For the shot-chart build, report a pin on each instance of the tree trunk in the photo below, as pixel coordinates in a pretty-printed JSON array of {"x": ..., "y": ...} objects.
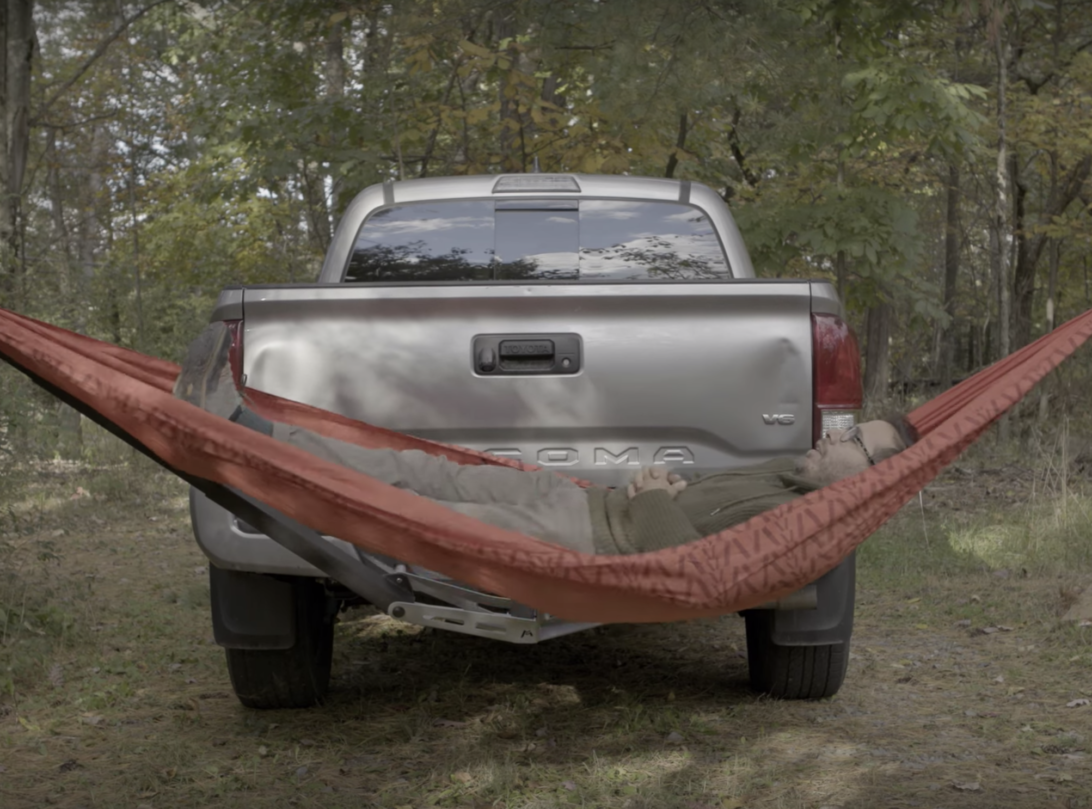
[
  {"x": 1052, "y": 286},
  {"x": 877, "y": 341},
  {"x": 951, "y": 276},
  {"x": 134, "y": 218},
  {"x": 974, "y": 347},
  {"x": 69, "y": 420},
  {"x": 89, "y": 244},
  {"x": 60, "y": 228},
  {"x": 335, "y": 91},
  {"x": 17, "y": 41},
  {"x": 7, "y": 263},
  {"x": 1087, "y": 283},
  {"x": 1055, "y": 257},
  {"x": 1002, "y": 231},
  {"x": 841, "y": 267},
  {"x": 1023, "y": 269},
  {"x": 134, "y": 223}
]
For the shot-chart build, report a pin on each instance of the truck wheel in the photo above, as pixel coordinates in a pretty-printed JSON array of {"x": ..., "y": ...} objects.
[
  {"x": 803, "y": 654},
  {"x": 792, "y": 672},
  {"x": 294, "y": 677}
]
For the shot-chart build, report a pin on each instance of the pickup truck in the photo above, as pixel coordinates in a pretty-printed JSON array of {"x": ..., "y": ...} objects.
[{"x": 587, "y": 324}]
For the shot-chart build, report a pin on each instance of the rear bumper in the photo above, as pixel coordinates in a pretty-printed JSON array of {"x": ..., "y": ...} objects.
[{"x": 809, "y": 616}]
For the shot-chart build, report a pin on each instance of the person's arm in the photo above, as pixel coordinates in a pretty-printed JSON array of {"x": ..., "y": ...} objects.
[{"x": 655, "y": 521}]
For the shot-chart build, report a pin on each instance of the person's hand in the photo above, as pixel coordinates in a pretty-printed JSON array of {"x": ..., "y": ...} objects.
[{"x": 656, "y": 477}]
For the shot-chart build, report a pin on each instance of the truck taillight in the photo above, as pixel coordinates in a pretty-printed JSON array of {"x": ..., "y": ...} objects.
[
  {"x": 235, "y": 352},
  {"x": 836, "y": 369}
]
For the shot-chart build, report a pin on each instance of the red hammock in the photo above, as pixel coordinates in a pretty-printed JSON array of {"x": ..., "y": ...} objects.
[{"x": 765, "y": 558}]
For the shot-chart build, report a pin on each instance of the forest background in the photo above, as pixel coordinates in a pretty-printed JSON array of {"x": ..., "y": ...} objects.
[{"x": 931, "y": 157}]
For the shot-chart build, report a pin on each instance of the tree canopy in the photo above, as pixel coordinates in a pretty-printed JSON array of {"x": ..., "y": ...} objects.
[{"x": 931, "y": 157}]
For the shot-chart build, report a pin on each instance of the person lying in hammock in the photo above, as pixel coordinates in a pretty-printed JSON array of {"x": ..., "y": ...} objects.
[{"x": 658, "y": 509}]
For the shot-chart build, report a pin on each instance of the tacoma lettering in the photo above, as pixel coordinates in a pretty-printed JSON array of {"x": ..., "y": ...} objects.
[{"x": 601, "y": 456}]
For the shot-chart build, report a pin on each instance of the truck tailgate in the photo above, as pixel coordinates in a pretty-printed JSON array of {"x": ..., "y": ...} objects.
[{"x": 697, "y": 376}]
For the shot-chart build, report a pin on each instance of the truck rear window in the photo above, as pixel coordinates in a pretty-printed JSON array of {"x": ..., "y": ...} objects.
[{"x": 537, "y": 240}]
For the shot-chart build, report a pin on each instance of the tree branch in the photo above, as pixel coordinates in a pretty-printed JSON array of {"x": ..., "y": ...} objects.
[
  {"x": 737, "y": 151},
  {"x": 673, "y": 161},
  {"x": 65, "y": 127},
  {"x": 1035, "y": 85},
  {"x": 594, "y": 48},
  {"x": 99, "y": 51},
  {"x": 431, "y": 145},
  {"x": 1059, "y": 200}
]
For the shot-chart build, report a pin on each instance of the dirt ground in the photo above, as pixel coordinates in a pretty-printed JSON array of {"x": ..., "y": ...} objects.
[{"x": 964, "y": 687}]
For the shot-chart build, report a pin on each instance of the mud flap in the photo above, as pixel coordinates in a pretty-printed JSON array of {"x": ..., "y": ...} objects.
[
  {"x": 832, "y": 619},
  {"x": 251, "y": 610}
]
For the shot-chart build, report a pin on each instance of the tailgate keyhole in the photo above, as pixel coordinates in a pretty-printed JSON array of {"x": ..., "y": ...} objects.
[{"x": 487, "y": 360}]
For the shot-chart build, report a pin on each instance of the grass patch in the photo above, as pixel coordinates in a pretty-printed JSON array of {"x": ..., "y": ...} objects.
[
  {"x": 1048, "y": 535},
  {"x": 48, "y": 571}
]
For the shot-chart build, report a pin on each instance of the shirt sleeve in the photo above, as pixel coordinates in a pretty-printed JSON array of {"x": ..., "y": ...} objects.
[{"x": 654, "y": 521}]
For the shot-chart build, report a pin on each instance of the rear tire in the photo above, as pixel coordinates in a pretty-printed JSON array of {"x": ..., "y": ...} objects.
[
  {"x": 297, "y": 677},
  {"x": 792, "y": 672},
  {"x": 804, "y": 654}
]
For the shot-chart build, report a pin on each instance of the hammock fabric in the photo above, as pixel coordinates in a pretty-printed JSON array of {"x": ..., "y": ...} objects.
[{"x": 767, "y": 557}]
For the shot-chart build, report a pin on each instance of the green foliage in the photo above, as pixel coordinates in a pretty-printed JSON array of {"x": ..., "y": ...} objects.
[
  {"x": 876, "y": 228},
  {"x": 896, "y": 100},
  {"x": 217, "y": 143}
]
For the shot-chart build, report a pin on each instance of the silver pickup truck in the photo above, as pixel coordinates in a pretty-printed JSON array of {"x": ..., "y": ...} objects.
[{"x": 588, "y": 324}]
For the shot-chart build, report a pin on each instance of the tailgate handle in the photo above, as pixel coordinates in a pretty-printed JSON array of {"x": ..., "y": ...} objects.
[
  {"x": 526, "y": 350},
  {"x": 521, "y": 354}
]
